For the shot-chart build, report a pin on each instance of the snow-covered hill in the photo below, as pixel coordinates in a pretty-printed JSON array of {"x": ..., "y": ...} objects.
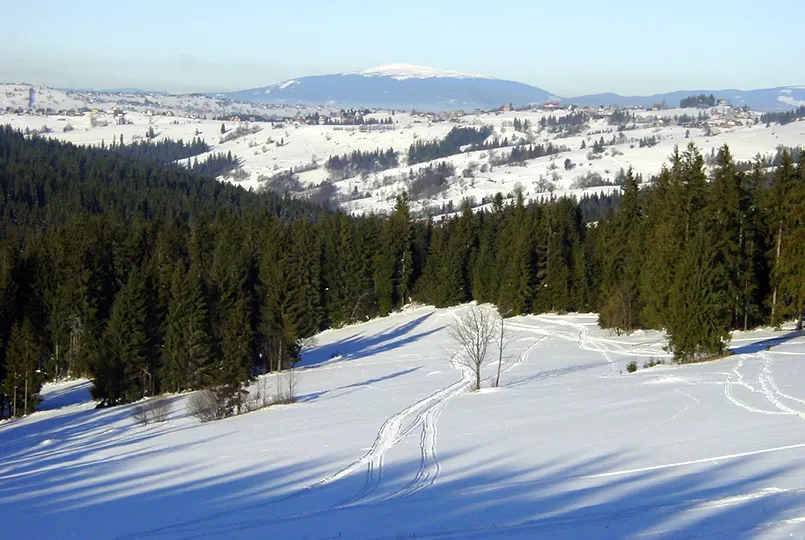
[
  {"x": 387, "y": 442},
  {"x": 269, "y": 148},
  {"x": 398, "y": 86}
]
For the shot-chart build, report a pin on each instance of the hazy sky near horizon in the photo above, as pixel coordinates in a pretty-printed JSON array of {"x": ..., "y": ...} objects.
[{"x": 572, "y": 48}]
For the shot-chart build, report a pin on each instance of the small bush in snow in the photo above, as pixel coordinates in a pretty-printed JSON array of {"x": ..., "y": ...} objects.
[
  {"x": 207, "y": 405},
  {"x": 154, "y": 410},
  {"x": 159, "y": 408},
  {"x": 631, "y": 367}
]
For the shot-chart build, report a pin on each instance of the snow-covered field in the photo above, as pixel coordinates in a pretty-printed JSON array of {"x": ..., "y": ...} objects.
[
  {"x": 276, "y": 148},
  {"x": 387, "y": 442}
]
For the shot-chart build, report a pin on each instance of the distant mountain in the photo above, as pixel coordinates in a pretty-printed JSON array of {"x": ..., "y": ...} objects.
[
  {"x": 398, "y": 86},
  {"x": 768, "y": 99},
  {"x": 404, "y": 86}
]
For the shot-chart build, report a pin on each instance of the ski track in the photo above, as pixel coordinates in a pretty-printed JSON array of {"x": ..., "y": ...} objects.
[{"x": 768, "y": 387}]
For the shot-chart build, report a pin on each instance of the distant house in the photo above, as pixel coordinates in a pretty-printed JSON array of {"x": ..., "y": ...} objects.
[{"x": 552, "y": 105}]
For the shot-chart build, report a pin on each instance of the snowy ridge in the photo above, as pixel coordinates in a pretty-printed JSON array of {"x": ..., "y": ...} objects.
[{"x": 403, "y": 72}]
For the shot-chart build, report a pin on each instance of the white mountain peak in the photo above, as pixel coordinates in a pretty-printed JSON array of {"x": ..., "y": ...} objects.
[{"x": 410, "y": 71}]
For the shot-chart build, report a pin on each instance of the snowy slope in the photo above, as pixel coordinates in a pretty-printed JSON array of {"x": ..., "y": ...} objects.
[{"x": 386, "y": 442}]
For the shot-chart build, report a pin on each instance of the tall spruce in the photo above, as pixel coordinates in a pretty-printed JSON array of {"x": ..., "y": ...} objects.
[
  {"x": 622, "y": 258},
  {"x": 23, "y": 376},
  {"x": 122, "y": 374}
]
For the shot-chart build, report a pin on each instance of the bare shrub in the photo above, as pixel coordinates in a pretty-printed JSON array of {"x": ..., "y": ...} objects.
[
  {"x": 140, "y": 414},
  {"x": 159, "y": 408},
  {"x": 287, "y": 382},
  {"x": 259, "y": 398},
  {"x": 207, "y": 406}
]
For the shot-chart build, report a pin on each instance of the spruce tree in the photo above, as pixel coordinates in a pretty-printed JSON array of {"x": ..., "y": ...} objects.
[
  {"x": 122, "y": 372},
  {"x": 23, "y": 376},
  {"x": 699, "y": 315},
  {"x": 726, "y": 224},
  {"x": 236, "y": 361},
  {"x": 781, "y": 215},
  {"x": 622, "y": 256}
]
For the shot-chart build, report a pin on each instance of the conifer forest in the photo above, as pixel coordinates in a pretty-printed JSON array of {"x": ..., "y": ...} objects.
[{"x": 150, "y": 278}]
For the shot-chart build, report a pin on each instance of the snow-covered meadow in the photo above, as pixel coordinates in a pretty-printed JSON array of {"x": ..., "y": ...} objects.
[{"x": 386, "y": 441}]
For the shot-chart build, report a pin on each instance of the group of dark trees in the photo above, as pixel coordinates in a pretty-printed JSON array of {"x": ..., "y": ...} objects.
[
  {"x": 347, "y": 117},
  {"x": 522, "y": 125},
  {"x": 429, "y": 181},
  {"x": 458, "y": 137},
  {"x": 701, "y": 257},
  {"x": 358, "y": 163},
  {"x": 521, "y": 153},
  {"x": 569, "y": 124},
  {"x": 149, "y": 279},
  {"x": 701, "y": 101},
  {"x": 785, "y": 117},
  {"x": 170, "y": 152}
]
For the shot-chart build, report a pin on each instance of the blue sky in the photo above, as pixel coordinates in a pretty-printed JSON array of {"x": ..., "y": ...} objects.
[{"x": 568, "y": 48}]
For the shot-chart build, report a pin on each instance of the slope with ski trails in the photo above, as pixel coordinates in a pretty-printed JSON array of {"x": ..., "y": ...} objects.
[{"x": 387, "y": 441}]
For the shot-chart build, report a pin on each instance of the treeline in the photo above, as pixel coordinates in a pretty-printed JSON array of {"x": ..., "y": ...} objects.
[
  {"x": 347, "y": 117},
  {"x": 701, "y": 257},
  {"x": 359, "y": 163},
  {"x": 170, "y": 152},
  {"x": 569, "y": 124},
  {"x": 215, "y": 165},
  {"x": 165, "y": 151},
  {"x": 149, "y": 279},
  {"x": 700, "y": 101},
  {"x": 451, "y": 144},
  {"x": 785, "y": 117},
  {"x": 522, "y": 153}
]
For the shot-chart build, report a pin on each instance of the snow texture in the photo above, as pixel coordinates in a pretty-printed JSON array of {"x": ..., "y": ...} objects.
[
  {"x": 387, "y": 441},
  {"x": 402, "y": 72}
]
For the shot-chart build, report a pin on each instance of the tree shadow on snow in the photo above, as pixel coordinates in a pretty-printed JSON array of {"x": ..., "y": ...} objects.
[
  {"x": 766, "y": 344},
  {"x": 362, "y": 344},
  {"x": 462, "y": 495}
]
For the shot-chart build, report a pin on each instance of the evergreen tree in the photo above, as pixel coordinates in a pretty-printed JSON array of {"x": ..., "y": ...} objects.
[
  {"x": 699, "y": 316},
  {"x": 781, "y": 215},
  {"x": 123, "y": 373},
  {"x": 23, "y": 376},
  {"x": 726, "y": 223},
  {"x": 237, "y": 358},
  {"x": 622, "y": 258},
  {"x": 187, "y": 352}
]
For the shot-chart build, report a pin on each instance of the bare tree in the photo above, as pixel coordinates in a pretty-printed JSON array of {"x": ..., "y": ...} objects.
[
  {"x": 473, "y": 331},
  {"x": 504, "y": 339}
]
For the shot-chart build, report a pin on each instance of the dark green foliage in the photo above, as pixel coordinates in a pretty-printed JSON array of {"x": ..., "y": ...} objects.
[
  {"x": 458, "y": 137},
  {"x": 785, "y": 117},
  {"x": 165, "y": 151},
  {"x": 23, "y": 378},
  {"x": 429, "y": 181},
  {"x": 621, "y": 261},
  {"x": 701, "y": 101},
  {"x": 122, "y": 372},
  {"x": 569, "y": 124},
  {"x": 361, "y": 163}
]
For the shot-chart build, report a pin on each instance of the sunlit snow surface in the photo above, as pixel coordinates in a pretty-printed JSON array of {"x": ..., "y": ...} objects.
[
  {"x": 410, "y": 71},
  {"x": 387, "y": 442}
]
